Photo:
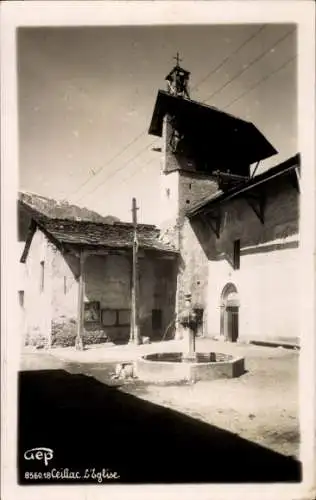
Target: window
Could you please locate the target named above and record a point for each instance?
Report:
(21, 298)
(42, 276)
(236, 254)
(109, 317)
(65, 285)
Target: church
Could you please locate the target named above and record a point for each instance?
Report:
(228, 236)
(237, 232)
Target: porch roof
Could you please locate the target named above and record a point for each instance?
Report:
(92, 235)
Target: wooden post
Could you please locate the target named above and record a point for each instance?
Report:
(80, 317)
(134, 333)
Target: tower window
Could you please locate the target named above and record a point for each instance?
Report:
(65, 285)
(42, 276)
(168, 192)
(237, 254)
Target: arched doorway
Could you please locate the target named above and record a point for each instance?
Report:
(229, 310)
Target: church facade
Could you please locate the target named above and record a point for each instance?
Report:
(237, 233)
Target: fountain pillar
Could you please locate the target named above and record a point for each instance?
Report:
(188, 320)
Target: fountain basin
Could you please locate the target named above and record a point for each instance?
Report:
(174, 367)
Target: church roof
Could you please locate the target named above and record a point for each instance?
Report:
(226, 137)
(287, 167)
(86, 234)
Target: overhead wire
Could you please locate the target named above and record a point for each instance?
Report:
(254, 61)
(257, 84)
(119, 153)
(250, 89)
(226, 59)
(208, 75)
(132, 174)
(115, 172)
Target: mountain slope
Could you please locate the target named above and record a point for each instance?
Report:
(61, 209)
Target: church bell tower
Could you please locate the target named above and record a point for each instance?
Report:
(205, 149)
(178, 80)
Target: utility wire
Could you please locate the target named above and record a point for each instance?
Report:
(248, 66)
(148, 162)
(227, 58)
(118, 170)
(250, 89)
(109, 161)
(119, 153)
(132, 174)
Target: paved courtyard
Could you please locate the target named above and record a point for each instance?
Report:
(260, 406)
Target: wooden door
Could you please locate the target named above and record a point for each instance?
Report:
(232, 323)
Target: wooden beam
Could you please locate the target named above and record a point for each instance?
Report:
(98, 251)
(295, 179)
(258, 203)
(134, 333)
(213, 220)
(80, 316)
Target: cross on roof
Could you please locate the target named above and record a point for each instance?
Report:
(177, 58)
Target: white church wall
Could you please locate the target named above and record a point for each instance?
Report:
(268, 290)
(268, 277)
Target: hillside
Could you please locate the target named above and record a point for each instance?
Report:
(61, 209)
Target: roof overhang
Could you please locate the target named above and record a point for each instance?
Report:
(288, 167)
(225, 136)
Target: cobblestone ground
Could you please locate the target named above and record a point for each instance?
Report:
(260, 406)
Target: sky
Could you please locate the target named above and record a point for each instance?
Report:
(86, 97)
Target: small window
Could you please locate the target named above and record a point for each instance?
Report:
(237, 254)
(65, 285)
(42, 276)
(21, 298)
(168, 193)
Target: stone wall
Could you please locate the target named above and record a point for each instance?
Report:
(181, 187)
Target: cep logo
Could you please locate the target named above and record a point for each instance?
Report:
(40, 454)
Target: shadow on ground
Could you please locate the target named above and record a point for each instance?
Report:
(89, 425)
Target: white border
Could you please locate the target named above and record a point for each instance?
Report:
(98, 13)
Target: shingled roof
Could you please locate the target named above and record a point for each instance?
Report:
(86, 234)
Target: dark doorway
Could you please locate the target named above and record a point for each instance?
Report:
(229, 311)
(156, 323)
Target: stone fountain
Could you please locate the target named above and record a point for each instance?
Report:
(188, 365)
